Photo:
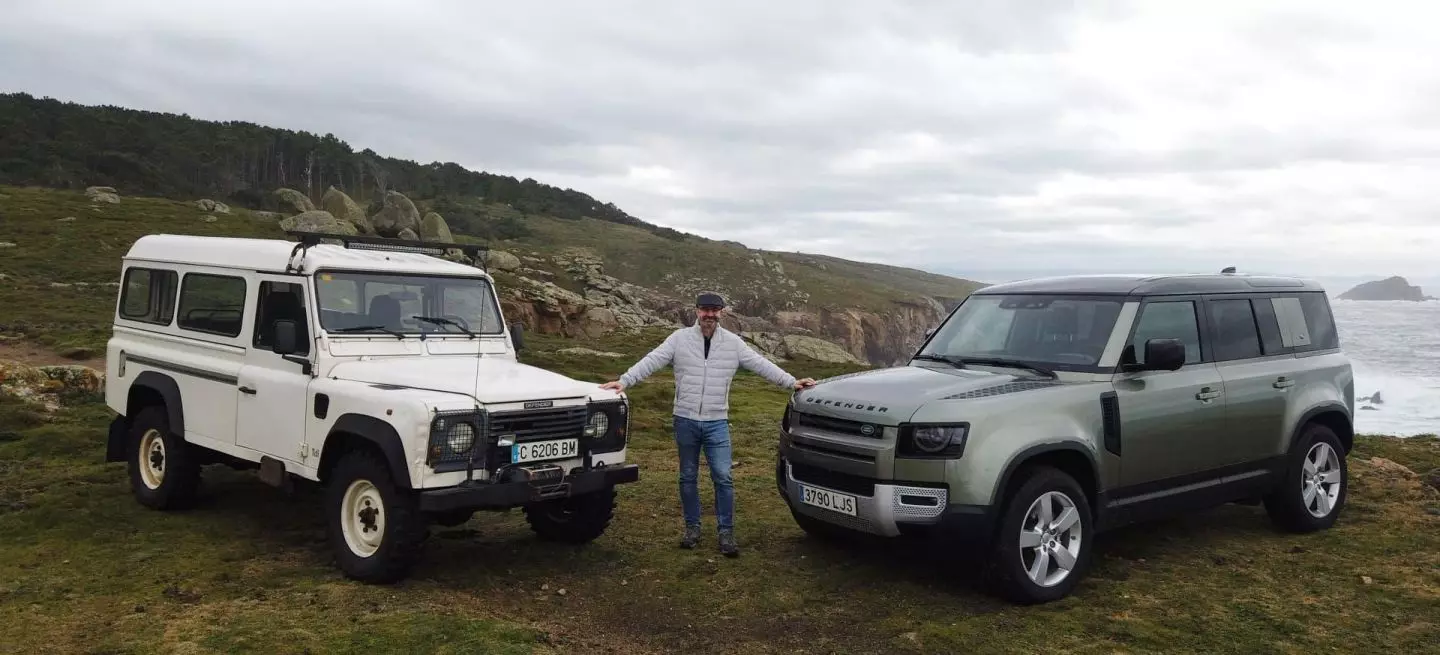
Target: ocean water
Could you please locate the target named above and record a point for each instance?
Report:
(1395, 350)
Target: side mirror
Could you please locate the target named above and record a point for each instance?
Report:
(287, 340)
(1164, 354)
(517, 335)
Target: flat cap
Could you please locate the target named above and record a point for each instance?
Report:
(709, 300)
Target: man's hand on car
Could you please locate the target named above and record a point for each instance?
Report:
(804, 383)
(613, 385)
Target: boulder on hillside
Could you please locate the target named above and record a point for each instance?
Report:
(397, 214)
(293, 200)
(790, 346)
(408, 234)
(103, 194)
(434, 228)
(1390, 288)
(341, 206)
(206, 204)
(502, 261)
(317, 220)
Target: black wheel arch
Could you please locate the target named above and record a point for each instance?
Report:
(149, 388)
(1333, 415)
(349, 428)
(1068, 455)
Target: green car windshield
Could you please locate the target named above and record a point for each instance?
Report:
(1059, 332)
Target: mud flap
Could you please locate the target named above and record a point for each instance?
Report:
(115, 442)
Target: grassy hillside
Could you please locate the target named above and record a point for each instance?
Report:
(84, 569)
(57, 272)
(682, 266)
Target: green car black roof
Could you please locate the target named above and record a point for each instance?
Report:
(1150, 285)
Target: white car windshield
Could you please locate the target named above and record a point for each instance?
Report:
(359, 303)
(1055, 331)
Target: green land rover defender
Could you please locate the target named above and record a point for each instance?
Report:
(1042, 412)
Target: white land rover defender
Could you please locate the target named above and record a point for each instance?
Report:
(371, 366)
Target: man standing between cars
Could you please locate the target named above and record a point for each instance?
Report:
(705, 357)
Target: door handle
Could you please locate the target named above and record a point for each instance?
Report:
(1283, 383)
(247, 390)
(1207, 394)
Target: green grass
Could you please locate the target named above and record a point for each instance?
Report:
(83, 568)
(58, 278)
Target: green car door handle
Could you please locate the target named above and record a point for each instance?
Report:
(1207, 394)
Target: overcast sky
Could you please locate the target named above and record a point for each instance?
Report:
(985, 139)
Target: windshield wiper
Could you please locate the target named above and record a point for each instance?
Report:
(940, 358)
(368, 328)
(993, 361)
(440, 320)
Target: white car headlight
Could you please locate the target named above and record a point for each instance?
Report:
(598, 425)
(460, 438)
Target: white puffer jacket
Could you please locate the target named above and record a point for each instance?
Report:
(702, 385)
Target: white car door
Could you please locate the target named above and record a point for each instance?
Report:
(274, 390)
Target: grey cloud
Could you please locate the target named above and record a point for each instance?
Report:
(984, 127)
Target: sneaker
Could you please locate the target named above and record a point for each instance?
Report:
(727, 544)
(691, 538)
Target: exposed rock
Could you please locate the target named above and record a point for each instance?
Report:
(103, 194)
(67, 219)
(408, 234)
(598, 321)
(546, 308)
(434, 228)
(1391, 467)
(791, 346)
(1433, 479)
(206, 218)
(209, 205)
(265, 216)
(6, 244)
(342, 207)
(1391, 288)
(317, 220)
(294, 201)
(46, 384)
(502, 261)
(396, 215)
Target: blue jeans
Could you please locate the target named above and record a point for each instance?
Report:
(714, 438)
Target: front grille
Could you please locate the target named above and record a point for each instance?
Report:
(527, 425)
(538, 425)
(832, 479)
(839, 425)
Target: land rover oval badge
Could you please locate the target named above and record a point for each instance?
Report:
(867, 430)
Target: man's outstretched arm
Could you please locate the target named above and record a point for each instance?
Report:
(663, 355)
(767, 369)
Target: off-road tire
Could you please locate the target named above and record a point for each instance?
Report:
(1006, 567)
(167, 456)
(574, 520)
(1286, 504)
(400, 526)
